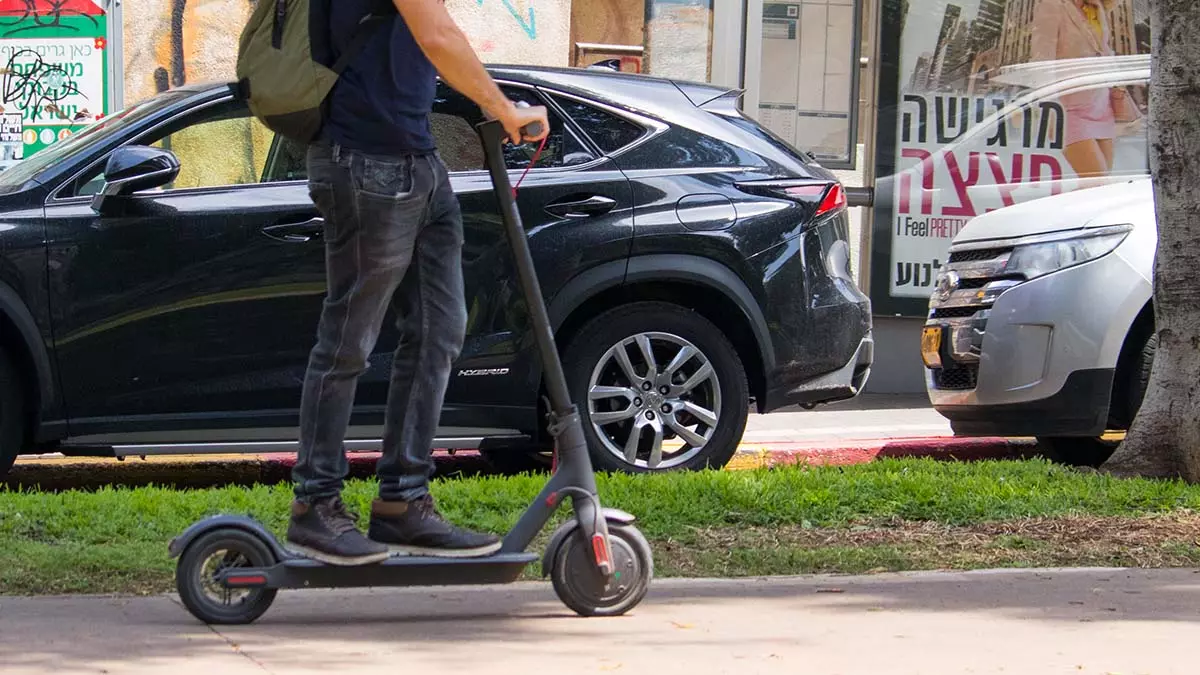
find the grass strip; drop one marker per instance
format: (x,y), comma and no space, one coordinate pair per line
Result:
(887,515)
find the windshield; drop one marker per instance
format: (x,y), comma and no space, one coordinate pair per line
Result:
(22,172)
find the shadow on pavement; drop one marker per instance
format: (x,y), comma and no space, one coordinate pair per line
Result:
(331,630)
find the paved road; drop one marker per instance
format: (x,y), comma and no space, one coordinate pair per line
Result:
(1089,622)
(867,417)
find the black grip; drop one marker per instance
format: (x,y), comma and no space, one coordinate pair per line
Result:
(532,129)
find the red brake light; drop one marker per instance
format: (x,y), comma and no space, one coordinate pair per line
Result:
(835,200)
(822,196)
(805,192)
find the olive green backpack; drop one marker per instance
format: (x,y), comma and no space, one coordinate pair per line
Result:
(285,68)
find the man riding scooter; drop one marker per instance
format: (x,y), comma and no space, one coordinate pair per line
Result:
(393,238)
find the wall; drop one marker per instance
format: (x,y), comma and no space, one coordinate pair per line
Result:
(897,368)
(173,42)
(169,43)
(679,39)
(526,32)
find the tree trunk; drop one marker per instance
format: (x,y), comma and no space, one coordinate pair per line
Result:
(1164,440)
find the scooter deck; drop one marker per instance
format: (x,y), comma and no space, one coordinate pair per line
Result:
(291,570)
(297,572)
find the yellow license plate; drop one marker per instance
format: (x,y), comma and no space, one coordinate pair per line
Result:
(931,346)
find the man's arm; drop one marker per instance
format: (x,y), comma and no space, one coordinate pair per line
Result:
(450,52)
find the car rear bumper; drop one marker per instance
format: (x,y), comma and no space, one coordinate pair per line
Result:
(845,382)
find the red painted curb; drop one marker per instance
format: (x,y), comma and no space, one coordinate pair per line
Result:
(837,452)
(867,450)
(203,471)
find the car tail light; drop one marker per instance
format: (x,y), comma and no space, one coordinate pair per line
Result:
(821,196)
(835,200)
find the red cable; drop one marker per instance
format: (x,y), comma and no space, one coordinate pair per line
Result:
(536,156)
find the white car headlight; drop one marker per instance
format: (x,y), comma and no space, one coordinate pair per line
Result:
(1038,256)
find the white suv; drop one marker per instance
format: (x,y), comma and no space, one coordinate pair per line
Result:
(1041,324)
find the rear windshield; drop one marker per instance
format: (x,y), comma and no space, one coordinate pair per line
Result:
(767,135)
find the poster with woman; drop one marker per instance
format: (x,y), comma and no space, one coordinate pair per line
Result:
(987,103)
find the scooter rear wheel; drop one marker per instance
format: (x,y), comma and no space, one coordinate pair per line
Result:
(580,585)
(200,566)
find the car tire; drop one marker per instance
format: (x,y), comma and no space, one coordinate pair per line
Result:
(1085,451)
(701,405)
(1076,450)
(12,414)
(1139,376)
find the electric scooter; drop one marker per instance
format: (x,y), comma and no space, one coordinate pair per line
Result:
(230,567)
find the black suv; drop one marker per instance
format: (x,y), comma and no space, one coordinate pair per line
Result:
(161,275)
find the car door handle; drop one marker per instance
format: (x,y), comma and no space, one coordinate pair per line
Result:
(595,205)
(300,232)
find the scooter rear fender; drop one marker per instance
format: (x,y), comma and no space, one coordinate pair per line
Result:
(201,527)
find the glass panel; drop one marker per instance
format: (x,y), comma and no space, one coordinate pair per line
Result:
(609,132)
(454,119)
(218,146)
(998,102)
(808,78)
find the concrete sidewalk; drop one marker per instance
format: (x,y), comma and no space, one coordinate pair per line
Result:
(1091,622)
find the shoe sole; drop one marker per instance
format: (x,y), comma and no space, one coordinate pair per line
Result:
(398,550)
(340,561)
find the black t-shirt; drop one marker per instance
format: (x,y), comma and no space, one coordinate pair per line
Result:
(382,101)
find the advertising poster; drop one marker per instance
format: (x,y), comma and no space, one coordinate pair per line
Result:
(12,143)
(988,103)
(55,67)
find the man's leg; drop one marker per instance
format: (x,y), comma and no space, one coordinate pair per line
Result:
(373,209)
(432,314)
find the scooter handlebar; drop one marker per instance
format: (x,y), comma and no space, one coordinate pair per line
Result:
(493,132)
(532,129)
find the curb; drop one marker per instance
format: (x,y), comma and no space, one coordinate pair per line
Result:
(199,471)
(847,452)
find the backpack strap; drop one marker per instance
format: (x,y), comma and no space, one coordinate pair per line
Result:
(368,26)
(277,26)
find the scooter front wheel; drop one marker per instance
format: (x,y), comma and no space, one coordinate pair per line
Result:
(582,588)
(198,574)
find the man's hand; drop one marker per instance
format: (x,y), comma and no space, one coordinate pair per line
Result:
(518,119)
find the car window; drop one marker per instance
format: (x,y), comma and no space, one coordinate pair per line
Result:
(609,132)
(221,145)
(454,119)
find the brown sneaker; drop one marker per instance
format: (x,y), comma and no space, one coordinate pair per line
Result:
(416,528)
(324,530)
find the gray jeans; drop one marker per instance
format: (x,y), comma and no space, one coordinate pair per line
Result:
(393,238)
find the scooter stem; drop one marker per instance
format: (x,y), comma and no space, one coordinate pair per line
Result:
(493,135)
(573,475)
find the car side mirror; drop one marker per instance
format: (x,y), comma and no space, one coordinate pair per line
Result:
(134,168)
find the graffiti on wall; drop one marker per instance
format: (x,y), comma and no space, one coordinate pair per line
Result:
(532,32)
(170,43)
(55,69)
(527,22)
